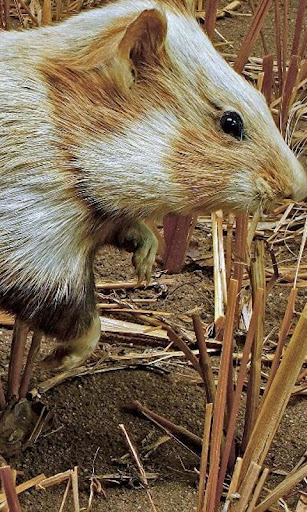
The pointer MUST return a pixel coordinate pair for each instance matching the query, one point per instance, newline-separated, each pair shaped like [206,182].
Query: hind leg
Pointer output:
[74,321]
[74,352]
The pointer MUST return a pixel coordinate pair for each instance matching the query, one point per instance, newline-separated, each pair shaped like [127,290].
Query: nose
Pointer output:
[299,185]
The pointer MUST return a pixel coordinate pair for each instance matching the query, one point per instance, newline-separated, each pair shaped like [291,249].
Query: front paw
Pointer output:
[144,256]
[139,239]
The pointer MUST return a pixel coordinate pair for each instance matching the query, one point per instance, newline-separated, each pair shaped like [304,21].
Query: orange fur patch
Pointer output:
[205,162]
[87,90]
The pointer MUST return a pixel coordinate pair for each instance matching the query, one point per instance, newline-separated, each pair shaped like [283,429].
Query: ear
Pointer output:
[143,40]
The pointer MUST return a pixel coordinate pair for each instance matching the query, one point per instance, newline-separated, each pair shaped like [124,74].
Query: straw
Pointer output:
[9,489]
[204,457]
[278,396]
[221,394]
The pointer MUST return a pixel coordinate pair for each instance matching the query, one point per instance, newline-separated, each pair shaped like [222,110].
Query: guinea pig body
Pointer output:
[117,115]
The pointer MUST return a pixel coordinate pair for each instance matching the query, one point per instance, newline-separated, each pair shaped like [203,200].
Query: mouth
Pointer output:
[242,195]
[299,184]
[271,194]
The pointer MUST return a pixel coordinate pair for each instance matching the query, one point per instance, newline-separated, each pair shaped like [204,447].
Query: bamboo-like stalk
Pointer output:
[61,509]
[220,285]
[229,239]
[298,27]
[252,34]
[204,457]
[54,479]
[6,14]
[19,14]
[47,12]
[278,45]
[28,11]
[16,358]
[75,489]
[303,46]
[221,394]
[222,265]
[302,247]
[246,488]
[233,487]
[258,490]
[258,306]
[254,383]
[219,316]
[5,506]
[260,79]
[252,230]
[283,488]
[285,31]
[134,452]
[204,359]
[34,349]
[25,486]
[265,48]
[288,91]
[240,254]
[9,489]
[2,396]
[175,338]
[210,19]
[177,233]
[284,330]
[58,10]
[177,430]
[1,15]
[267,66]
[275,403]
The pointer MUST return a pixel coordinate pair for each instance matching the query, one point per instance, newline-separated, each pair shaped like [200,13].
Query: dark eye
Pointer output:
[232,123]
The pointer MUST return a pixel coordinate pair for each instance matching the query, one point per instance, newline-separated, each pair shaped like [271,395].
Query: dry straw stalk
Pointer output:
[253,391]
[246,488]
[278,396]
[204,458]
[9,488]
[221,396]
[283,488]
[204,360]
[258,306]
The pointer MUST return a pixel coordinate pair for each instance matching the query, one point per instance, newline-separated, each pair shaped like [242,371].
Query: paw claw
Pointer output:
[145,246]
[144,259]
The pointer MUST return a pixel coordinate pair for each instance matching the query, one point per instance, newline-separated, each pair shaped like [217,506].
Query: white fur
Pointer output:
[133,164]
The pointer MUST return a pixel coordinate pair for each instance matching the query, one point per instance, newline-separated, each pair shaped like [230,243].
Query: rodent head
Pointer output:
[234,147]
[158,122]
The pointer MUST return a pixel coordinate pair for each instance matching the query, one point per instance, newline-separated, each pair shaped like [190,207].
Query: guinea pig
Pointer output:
[115,116]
